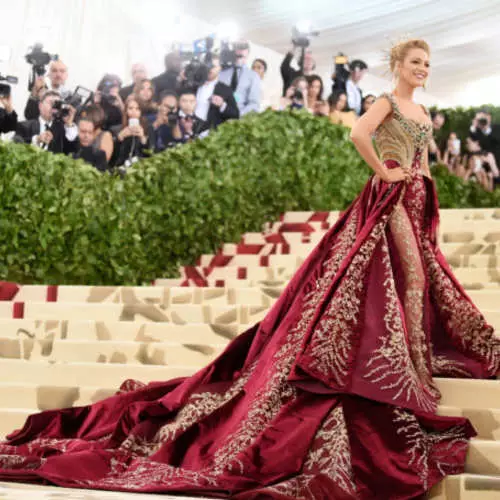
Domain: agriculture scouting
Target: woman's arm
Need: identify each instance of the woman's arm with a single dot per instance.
(363, 130)
(107, 145)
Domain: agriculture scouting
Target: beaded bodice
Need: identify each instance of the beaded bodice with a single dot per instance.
(399, 138)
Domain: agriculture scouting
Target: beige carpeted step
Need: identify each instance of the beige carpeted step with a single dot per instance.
(467, 487)
(153, 295)
(177, 313)
(17, 491)
(193, 333)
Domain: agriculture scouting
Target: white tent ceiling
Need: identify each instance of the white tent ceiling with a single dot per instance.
(463, 35)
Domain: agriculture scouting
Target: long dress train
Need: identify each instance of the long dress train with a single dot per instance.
(330, 396)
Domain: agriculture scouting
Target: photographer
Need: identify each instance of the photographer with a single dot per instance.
(289, 74)
(134, 136)
(85, 149)
(103, 139)
(245, 83)
(54, 130)
(349, 83)
(108, 97)
(296, 95)
(139, 74)
(486, 134)
(169, 79)
(166, 120)
(215, 101)
(58, 74)
(8, 117)
(188, 126)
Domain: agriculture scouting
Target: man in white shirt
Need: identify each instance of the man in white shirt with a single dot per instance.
(354, 95)
(47, 131)
(215, 102)
(244, 82)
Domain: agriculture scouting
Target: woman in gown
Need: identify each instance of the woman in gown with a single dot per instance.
(331, 396)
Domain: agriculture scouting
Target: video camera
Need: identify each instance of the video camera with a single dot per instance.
(301, 38)
(5, 87)
(78, 100)
(343, 70)
(197, 58)
(38, 60)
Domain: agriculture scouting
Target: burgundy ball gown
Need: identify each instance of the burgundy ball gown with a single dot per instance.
(331, 396)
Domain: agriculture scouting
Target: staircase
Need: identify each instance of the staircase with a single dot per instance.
(70, 346)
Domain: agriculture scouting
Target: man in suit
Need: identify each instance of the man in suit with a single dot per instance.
(188, 126)
(245, 83)
(58, 74)
(8, 116)
(48, 132)
(85, 149)
(169, 79)
(139, 73)
(215, 102)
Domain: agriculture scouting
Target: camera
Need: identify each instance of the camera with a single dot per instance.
(302, 34)
(5, 87)
(172, 117)
(482, 122)
(78, 100)
(38, 60)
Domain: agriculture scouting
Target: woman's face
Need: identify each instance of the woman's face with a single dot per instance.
(415, 68)
(314, 88)
(341, 103)
(146, 92)
(133, 110)
(367, 103)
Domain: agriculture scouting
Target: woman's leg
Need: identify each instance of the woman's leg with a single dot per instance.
(414, 288)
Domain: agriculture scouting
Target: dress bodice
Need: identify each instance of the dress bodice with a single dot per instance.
(400, 138)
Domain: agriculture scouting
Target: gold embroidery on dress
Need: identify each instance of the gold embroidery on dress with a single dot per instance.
(329, 455)
(426, 447)
(466, 325)
(331, 343)
(392, 360)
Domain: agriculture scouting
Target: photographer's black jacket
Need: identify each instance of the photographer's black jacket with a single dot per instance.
(488, 142)
(60, 144)
(93, 156)
(165, 81)
(215, 117)
(287, 72)
(8, 121)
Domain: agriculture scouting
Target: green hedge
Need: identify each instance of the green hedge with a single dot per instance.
(61, 222)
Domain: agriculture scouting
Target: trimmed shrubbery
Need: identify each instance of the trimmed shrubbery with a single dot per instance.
(61, 222)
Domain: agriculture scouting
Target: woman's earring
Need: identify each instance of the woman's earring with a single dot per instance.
(424, 85)
(395, 78)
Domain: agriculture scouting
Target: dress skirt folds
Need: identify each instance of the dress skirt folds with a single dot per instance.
(330, 396)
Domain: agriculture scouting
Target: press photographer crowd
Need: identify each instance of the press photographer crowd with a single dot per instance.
(114, 126)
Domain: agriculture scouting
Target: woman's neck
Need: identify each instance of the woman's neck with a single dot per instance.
(404, 91)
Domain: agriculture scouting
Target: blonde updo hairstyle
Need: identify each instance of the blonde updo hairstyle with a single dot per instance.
(400, 50)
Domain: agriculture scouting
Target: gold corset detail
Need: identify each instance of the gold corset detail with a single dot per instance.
(401, 138)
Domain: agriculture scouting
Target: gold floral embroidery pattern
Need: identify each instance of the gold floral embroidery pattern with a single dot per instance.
(426, 447)
(329, 455)
(331, 343)
(265, 404)
(199, 405)
(391, 363)
(415, 286)
(270, 399)
(464, 322)
(441, 365)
